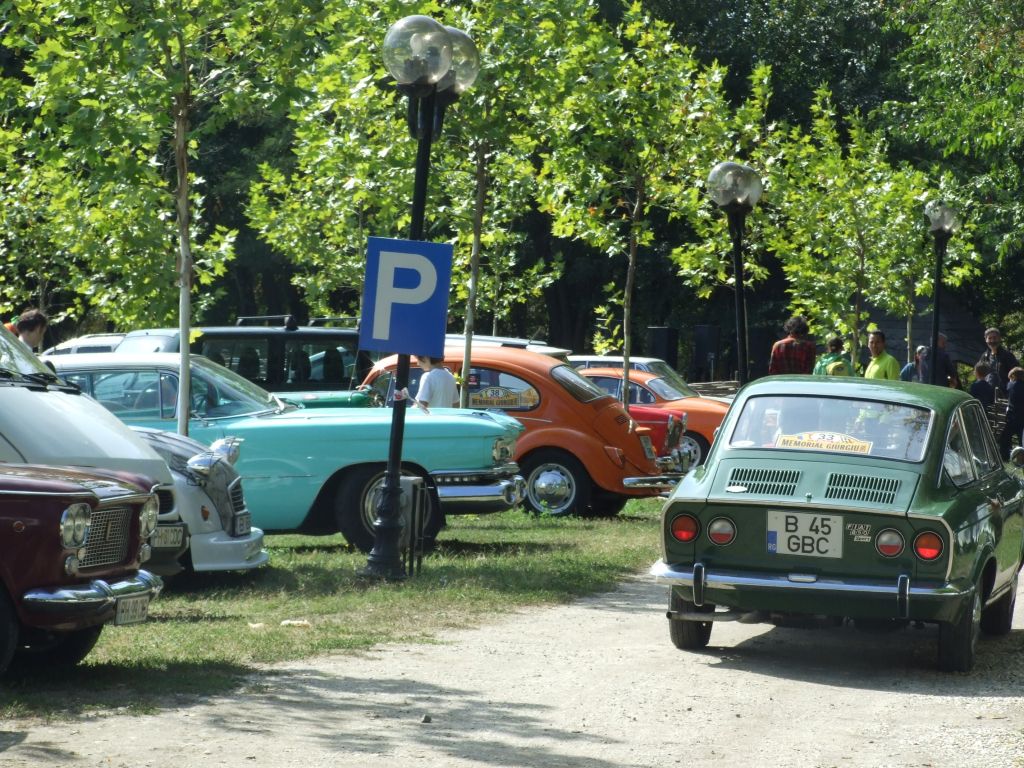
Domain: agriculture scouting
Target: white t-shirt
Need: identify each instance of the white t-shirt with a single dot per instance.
(438, 389)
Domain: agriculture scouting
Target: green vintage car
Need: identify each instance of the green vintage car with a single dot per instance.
(833, 498)
(313, 470)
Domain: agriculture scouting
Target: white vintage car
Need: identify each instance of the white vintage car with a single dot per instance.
(210, 515)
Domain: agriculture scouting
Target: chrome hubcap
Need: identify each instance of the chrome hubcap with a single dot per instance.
(551, 488)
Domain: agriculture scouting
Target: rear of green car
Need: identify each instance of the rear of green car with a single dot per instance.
(824, 500)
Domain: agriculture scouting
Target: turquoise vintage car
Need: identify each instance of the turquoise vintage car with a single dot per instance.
(880, 502)
(313, 470)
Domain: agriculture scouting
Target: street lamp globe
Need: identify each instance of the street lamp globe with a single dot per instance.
(733, 184)
(465, 62)
(942, 217)
(417, 51)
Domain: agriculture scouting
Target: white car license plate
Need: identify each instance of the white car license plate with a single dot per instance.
(645, 441)
(242, 524)
(132, 610)
(167, 536)
(798, 533)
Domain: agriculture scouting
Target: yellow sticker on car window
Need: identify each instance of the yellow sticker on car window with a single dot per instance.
(824, 441)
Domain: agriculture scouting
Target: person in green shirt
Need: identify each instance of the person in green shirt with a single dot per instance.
(835, 362)
(882, 364)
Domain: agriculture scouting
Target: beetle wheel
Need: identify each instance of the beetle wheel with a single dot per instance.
(958, 640)
(556, 484)
(355, 507)
(689, 635)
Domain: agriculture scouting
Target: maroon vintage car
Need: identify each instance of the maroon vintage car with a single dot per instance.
(71, 543)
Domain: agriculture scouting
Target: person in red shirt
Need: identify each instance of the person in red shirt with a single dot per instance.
(796, 352)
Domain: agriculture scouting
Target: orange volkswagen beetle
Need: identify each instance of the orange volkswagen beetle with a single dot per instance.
(653, 390)
(580, 454)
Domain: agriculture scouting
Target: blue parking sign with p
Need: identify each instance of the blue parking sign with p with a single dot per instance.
(405, 296)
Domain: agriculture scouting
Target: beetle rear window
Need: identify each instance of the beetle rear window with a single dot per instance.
(833, 425)
(583, 389)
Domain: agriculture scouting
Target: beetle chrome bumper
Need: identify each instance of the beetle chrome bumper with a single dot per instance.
(897, 598)
(471, 497)
(664, 482)
(93, 600)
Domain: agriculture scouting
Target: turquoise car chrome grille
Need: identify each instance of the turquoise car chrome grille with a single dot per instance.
(777, 482)
(876, 490)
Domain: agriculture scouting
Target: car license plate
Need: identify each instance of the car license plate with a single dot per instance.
(167, 536)
(242, 524)
(798, 533)
(132, 610)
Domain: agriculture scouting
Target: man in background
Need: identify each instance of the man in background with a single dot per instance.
(795, 353)
(999, 359)
(882, 365)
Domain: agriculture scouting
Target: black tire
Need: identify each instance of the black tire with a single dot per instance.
(556, 484)
(689, 635)
(997, 619)
(696, 447)
(8, 631)
(958, 640)
(355, 510)
(606, 504)
(58, 649)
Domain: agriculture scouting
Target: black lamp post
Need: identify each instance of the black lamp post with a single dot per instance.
(943, 223)
(432, 65)
(736, 189)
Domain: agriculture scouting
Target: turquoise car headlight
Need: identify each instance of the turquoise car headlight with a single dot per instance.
(503, 450)
(148, 517)
(74, 525)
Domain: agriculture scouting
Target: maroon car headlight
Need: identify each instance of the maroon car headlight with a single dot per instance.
(148, 517)
(74, 526)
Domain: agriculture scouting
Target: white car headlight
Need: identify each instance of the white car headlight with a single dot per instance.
(74, 525)
(148, 517)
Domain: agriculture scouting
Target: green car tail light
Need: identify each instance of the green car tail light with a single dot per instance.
(928, 545)
(889, 543)
(685, 528)
(721, 531)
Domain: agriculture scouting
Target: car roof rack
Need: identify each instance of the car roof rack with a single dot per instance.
(288, 321)
(344, 322)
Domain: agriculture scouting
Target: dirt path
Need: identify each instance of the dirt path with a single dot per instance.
(595, 684)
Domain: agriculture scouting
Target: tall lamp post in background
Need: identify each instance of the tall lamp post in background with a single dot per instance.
(736, 189)
(943, 223)
(432, 64)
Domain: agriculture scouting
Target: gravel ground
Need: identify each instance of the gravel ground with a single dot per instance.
(594, 684)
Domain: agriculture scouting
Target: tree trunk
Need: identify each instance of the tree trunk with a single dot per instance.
(474, 268)
(181, 125)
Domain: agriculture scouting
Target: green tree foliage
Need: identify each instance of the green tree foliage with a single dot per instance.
(115, 101)
(852, 228)
(639, 122)
(964, 75)
(353, 158)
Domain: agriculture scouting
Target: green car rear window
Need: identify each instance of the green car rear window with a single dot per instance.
(833, 425)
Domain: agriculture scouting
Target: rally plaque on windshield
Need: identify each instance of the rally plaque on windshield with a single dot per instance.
(824, 441)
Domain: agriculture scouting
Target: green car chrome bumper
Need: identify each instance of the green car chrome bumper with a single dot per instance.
(898, 598)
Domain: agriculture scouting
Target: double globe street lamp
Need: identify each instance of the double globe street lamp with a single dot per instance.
(432, 65)
(943, 222)
(736, 189)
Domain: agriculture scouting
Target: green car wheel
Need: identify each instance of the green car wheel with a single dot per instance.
(958, 640)
(689, 635)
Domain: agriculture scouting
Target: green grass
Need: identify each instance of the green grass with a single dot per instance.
(206, 632)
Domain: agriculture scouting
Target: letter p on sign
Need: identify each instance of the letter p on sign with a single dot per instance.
(405, 297)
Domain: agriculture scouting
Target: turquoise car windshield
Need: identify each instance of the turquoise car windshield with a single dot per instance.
(218, 391)
(833, 425)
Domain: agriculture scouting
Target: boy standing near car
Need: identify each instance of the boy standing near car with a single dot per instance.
(437, 385)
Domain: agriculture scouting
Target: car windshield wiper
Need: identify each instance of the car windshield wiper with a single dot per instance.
(43, 378)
